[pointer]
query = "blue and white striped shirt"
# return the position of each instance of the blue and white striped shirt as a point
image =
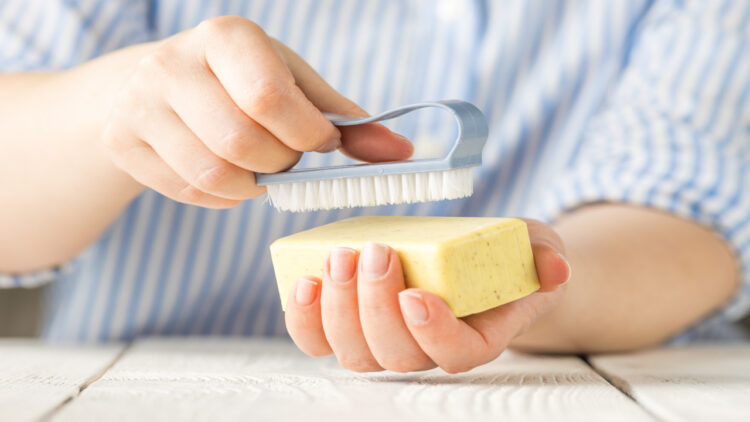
(636, 101)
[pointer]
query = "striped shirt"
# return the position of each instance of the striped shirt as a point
(633, 101)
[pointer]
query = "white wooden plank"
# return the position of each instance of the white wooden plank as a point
(233, 380)
(36, 377)
(696, 383)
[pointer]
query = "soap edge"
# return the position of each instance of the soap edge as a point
(520, 238)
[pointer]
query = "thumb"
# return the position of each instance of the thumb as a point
(370, 142)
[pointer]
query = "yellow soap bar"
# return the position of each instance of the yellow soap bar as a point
(472, 263)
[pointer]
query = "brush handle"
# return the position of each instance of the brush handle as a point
(466, 150)
(472, 129)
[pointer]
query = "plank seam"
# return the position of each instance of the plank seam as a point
(620, 385)
(86, 383)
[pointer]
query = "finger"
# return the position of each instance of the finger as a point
(181, 150)
(303, 321)
(450, 342)
(241, 56)
(542, 232)
(340, 313)
(145, 166)
(317, 90)
(372, 142)
(552, 266)
(379, 280)
(502, 324)
(210, 113)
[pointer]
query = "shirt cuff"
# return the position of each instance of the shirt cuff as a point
(35, 278)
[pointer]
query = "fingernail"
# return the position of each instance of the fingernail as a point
(341, 264)
(374, 259)
(569, 268)
(306, 291)
(567, 263)
(413, 307)
(329, 146)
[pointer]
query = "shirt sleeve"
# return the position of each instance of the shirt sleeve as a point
(675, 132)
(38, 35)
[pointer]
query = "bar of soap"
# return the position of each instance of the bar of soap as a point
(473, 263)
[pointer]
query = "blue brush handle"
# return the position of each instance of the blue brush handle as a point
(466, 150)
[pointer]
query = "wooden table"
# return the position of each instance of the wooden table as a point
(258, 380)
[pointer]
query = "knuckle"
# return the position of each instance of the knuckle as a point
(373, 304)
(124, 100)
(127, 115)
(218, 25)
(283, 165)
(237, 145)
(351, 109)
(214, 178)
(314, 136)
(211, 26)
(274, 167)
(246, 150)
(226, 28)
(159, 62)
(118, 141)
(248, 25)
(129, 106)
(190, 194)
(111, 138)
(358, 364)
(266, 95)
(278, 164)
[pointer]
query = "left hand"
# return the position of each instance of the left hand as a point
(363, 313)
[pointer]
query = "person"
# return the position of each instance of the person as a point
(131, 132)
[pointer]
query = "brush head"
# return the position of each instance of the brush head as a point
(369, 191)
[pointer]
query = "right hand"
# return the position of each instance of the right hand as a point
(205, 109)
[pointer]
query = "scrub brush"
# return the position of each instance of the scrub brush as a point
(362, 185)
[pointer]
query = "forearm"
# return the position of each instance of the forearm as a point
(639, 276)
(58, 188)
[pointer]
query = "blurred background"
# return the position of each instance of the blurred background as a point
(21, 311)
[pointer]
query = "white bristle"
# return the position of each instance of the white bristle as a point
(372, 190)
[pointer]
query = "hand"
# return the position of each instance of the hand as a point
(362, 313)
(205, 109)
